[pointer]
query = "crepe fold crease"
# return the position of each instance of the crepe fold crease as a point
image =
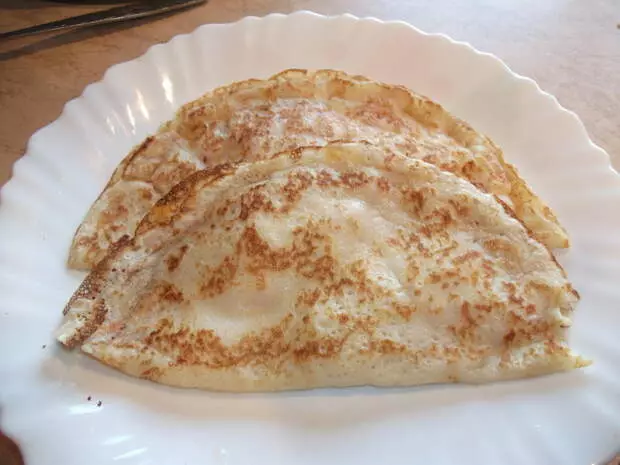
(255, 119)
(336, 266)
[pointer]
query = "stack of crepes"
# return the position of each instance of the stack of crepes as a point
(318, 229)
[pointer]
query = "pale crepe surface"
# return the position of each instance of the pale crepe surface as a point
(255, 119)
(341, 266)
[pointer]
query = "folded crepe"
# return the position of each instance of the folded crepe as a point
(335, 266)
(253, 120)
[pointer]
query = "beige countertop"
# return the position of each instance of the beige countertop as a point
(570, 47)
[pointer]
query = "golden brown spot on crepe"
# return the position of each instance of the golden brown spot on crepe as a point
(415, 197)
(466, 314)
(436, 224)
(323, 348)
(509, 337)
(146, 194)
(219, 279)
(433, 278)
(483, 308)
(514, 299)
(90, 323)
(325, 178)
(87, 241)
(170, 174)
(308, 299)
(375, 113)
(498, 245)
(296, 184)
(343, 318)
(174, 260)
(254, 201)
(170, 206)
(245, 133)
(302, 254)
(204, 347)
(466, 257)
(156, 162)
(114, 214)
(383, 184)
(460, 206)
(405, 311)
(387, 346)
(354, 179)
(152, 374)
(168, 292)
(136, 152)
(262, 258)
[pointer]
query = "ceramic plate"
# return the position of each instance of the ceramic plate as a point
(571, 418)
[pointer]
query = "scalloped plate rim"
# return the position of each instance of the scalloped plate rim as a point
(524, 79)
(532, 88)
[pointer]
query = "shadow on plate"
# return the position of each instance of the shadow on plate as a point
(317, 409)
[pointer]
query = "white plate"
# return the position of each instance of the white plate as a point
(571, 418)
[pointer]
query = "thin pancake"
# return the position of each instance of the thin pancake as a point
(337, 266)
(254, 119)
